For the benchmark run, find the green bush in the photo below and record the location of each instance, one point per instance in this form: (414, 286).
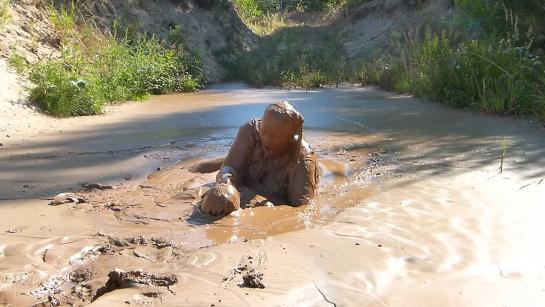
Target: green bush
(80, 83)
(94, 68)
(59, 91)
(500, 72)
(378, 70)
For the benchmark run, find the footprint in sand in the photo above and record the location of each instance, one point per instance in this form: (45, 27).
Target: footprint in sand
(202, 259)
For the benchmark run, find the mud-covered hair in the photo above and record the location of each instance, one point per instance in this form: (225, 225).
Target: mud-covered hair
(285, 111)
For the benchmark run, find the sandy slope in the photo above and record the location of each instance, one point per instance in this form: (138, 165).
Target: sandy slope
(441, 227)
(15, 115)
(371, 27)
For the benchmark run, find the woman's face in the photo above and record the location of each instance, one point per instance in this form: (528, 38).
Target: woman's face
(276, 134)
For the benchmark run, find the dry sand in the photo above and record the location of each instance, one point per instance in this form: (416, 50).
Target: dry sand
(413, 210)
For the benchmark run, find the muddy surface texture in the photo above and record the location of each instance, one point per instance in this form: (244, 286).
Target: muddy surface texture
(412, 208)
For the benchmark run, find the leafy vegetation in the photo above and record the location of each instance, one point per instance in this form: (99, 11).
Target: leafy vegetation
(497, 68)
(95, 68)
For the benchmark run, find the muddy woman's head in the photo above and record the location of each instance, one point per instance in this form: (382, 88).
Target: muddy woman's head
(281, 128)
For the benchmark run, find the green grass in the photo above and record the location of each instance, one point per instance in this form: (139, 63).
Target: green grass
(497, 17)
(64, 19)
(4, 13)
(500, 76)
(95, 68)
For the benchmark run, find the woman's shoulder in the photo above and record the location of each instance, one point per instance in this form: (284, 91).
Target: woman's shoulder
(250, 129)
(252, 124)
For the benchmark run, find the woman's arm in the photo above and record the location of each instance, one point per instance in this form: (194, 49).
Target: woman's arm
(304, 181)
(237, 162)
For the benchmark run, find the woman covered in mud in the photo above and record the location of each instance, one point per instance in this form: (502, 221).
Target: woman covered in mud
(269, 159)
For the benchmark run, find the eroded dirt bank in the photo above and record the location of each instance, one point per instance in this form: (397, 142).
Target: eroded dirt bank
(412, 211)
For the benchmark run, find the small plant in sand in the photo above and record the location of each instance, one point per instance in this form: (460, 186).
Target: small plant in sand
(17, 61)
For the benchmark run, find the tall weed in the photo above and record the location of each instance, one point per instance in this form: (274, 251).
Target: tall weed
(497, 76)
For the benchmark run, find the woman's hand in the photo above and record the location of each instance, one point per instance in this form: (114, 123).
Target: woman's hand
(222, 199)
(225, 175)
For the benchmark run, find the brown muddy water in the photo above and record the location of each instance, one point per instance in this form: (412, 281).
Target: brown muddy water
(412, 208)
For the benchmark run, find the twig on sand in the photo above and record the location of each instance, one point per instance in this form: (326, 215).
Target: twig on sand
(143, 186)
(540, 181)
(524, 186)
(504, 151)
(25, 198)
(44, 254)
(323, 295)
